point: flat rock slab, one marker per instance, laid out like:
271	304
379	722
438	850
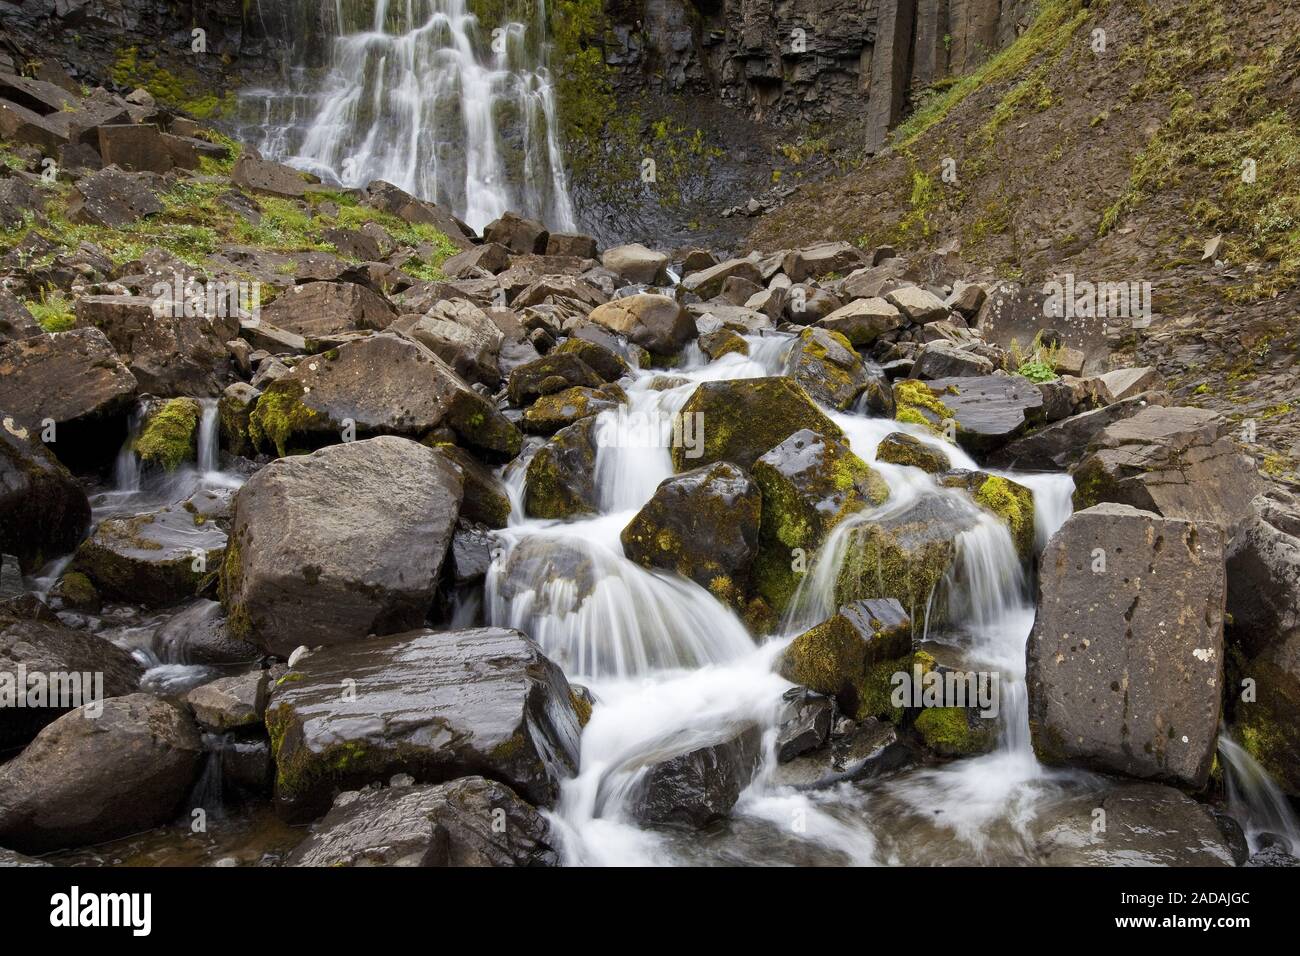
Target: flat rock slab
989	410
434	705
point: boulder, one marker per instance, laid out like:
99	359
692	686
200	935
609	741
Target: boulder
1063	444
433	705
987	411
942	359
804	723
825	364
230	703
822	259
235	413
900	448
136	147
43	646
697	788
85	781
553	372
322	309
486	500
16	322
198	634
1263	573
1269	723
560	481
43	511
552	412
18	203
805	305
517	234
312	560
384	384
852	655
113	199
723	342
863	320
701	524
637	264
1011	501
490	257
1121	383
657	323
1125	662
742	419
572	244
467	822
168	434
867	750
1177	462
397	202
707	283
258	175
918	305
462	335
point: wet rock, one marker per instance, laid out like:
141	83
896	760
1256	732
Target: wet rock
1064	443
384	384
806	306
230	703
468	822
707	283
462	335
602	352
45	647
654	322
485	499
852	655
863	320
549	374
694	789
1125	665
155	558
988	410
869	749
89	780
943	360
809	483
113	199
900	448
1011	501
43	511
8	858
1269	724
825	364
805	723
75	380
199	634
1146	825
235	413
433	705
473	549
701	524
723	342
560	481
267	178
321	309
535	562
169	434
742	419
517	234
956	731
1177	462
550	413
313	561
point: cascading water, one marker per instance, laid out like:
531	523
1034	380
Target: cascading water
424	94
1255	801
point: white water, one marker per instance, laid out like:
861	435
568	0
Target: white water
1254	800
420	94
673	669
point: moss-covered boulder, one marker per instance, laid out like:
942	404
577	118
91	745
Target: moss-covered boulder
235	413
605	362
956	731
703	525
810	483
170	434
917	403
723	342
560	481
985	411
742	419
852	656
824	363
75	592
549	374
1269	725
486	500
900	448
905	556
550	413
1009	500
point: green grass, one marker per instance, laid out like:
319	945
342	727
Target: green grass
52	312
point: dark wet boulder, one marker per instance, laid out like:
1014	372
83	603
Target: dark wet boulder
906	556
985	411
43	511
701	524
485	500
384	384
697	788
825	364
8	858
74	380
312	560
900	448
1063	444
804	723
462	335
230	703
235	413
467	822
198	634
86	780
321	309
741	420
852	655
550	413
723	342
46	647
657	323
155	558
1125	662
810	483
560	481
862	321
433	705
1145	825
549	374
1177	462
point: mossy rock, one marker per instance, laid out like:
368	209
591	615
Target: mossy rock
170	435
486	500
916	403
1009	500
76	592
723	342
740	420
552	412
1269	727
280	416
560	481
900	448
828	368
605	362
234	413
956	731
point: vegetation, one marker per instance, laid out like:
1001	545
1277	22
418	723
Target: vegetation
52	311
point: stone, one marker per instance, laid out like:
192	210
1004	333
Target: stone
467	822
863	320
230	703
707	283
199	634
824	363
44	513
462	335
1269	725
918	305
1010	501
900	448
657	323
602	358
235	412
560	480
16	322
321	309
804	723
1125	666
168	436
553	372
723	342
433	705
870	749
257	175
635	263
988	410
84	781
558	410
1062	444
966	298
1263	572
1112	387
486	500
822	259
135	147
312	561
940	360
113	199
517	234
571	244
694	789
397	202
490	256
702	524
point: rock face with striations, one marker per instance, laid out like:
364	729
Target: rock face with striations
1125	662
435	705
314	559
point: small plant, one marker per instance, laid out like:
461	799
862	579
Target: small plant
52	311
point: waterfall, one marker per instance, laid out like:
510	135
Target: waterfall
423	94
209	437
1254	800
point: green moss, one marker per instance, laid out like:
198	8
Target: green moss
1014	504
900	448
279	415
170	435
952	732
878	565
189	93
581	707
916	403
76	591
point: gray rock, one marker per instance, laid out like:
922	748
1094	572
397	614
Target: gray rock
805	723
517	234
198	634
462	335
1264	573
694	789
230	703
269	178
321	309
43	511
863	320
1063	444
990	410
941	359
113	198
707	283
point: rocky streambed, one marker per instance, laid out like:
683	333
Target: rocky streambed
504	549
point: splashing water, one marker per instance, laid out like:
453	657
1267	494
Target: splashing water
423	95
1255	801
